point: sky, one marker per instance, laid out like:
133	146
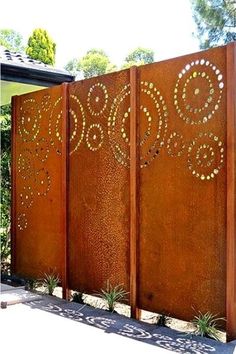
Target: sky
116	26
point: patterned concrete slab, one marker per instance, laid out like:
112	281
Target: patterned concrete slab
16	296
159	337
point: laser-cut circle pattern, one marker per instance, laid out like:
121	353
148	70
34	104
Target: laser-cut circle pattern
152	139
97	99
154	136
42	182
26	197
205	156
118	126
55	125
77	123
42	149
94	137
46	103
149	119
175	144
25	165
22	222
29	120
198	92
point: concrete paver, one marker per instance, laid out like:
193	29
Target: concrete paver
53	325
12	295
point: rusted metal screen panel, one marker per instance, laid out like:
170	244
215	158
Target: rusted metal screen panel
39	197
182	259
99	182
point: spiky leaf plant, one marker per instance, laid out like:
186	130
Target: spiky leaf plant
112	295
207	325
50	282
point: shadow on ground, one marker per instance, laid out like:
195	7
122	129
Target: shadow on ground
113	323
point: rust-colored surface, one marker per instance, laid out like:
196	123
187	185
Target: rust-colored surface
38	169
99	182
231	192
182	248
160	230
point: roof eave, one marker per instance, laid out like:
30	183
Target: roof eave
33	76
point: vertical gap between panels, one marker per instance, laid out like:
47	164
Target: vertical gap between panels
65	186
134	168
231	241
13	184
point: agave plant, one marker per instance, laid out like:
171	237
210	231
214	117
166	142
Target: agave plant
112	295
50	282
206	325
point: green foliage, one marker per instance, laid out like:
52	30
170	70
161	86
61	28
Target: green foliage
111	68
95	63
72	66
5	181
12	40
139	56
112	295
32	284
78	297
50	282
206	325
215	20
128	64
41	47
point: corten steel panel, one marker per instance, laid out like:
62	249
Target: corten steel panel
39	222
99	182
182	248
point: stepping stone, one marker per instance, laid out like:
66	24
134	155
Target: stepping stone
5	287
18	296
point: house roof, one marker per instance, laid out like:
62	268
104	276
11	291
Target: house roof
21	74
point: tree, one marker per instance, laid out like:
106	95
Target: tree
5	118
215	20
72	66
12	40
139	56
41	47
95	63
128	64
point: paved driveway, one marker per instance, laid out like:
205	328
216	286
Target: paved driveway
53	326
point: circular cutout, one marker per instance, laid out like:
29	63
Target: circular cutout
205	156
198	92
55	125
46	103
94	137
148	118
153	122
29	120
22	222
153	126
175	144
118	126
43	182
97	99
42	149
26	197
77	123
25	165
